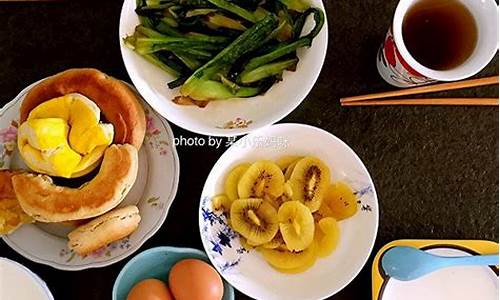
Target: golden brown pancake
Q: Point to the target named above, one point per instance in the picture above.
(11, 214)
(47, 202)
(119, 104)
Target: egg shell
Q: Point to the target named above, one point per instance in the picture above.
(150, 289)
(193, 279)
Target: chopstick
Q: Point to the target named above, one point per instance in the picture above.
(426, 89)
(428, 101)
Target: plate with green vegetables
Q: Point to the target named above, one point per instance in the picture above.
(223, 67)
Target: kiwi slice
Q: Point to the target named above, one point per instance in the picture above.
(340, 201)
(289, 169)
(263, 178)
(221, 202)
(232, 179)
(276, 242)
(326, 236)
(285, 259)
(285, 161)
(254, 219)
(296, 225)
(309, 181)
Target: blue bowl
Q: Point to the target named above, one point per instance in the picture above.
(156, 263)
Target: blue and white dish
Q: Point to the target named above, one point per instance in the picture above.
(246, 270)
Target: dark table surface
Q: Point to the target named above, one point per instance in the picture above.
(435, 168)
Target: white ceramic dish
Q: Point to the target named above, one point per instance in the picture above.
(247, 271)
(229, 117)
(458, 283)
(14, 275)
(153, 193)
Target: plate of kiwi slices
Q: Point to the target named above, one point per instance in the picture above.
(289, 212)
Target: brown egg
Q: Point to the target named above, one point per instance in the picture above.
(194, 279)
(150, 289)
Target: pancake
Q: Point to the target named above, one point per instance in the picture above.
(11, 214)
(118, 103)
(103, 230)
(46, 202)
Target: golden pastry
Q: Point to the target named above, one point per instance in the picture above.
(47, 202)
(103, 230)
(11, 214)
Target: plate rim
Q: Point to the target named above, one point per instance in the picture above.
(147, 236)
(235, 131)
(375, 206)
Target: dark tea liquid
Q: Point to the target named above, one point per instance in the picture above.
(439, 34)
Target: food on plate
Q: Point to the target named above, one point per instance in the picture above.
(309, 179)
(119, 105)
(285, 161)
(291, 220)
(326, 236)
(150, 289)
(296, 224)
(254, 219)
(194, 279)
(104, 229)
(339, 201)
(221, 202)
(46, 202)
(12, 215)
(262, 178)
(220, 49)
(232, 179)
(64, 137)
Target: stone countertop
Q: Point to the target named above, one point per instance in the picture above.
(435, 168)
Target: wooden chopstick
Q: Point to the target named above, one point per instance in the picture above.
(428, 101)
(425, 89)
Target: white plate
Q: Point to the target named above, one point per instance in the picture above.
(13, 275)
(457, 283)
(247, 271)
(228, 117)
(153, 193)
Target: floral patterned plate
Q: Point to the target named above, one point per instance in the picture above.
(246, 270)
(153, 193)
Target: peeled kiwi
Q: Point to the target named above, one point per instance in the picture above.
(296, 225)
(285, 161)
(276, 242)
(309, 181)
(221, 202)
(326, 236)
(254, 219)
(285, 259)
(263, 178)
(340, 201)
(232, 179)
(289, 169)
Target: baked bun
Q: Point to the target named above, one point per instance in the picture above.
(103, 230)
(12, 215)
(119, 104)
(47, 202)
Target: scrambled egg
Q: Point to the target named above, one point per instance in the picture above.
(64, 137)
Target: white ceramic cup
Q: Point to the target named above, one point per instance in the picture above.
(398, 67)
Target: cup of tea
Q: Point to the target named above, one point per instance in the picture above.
(438, 40)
